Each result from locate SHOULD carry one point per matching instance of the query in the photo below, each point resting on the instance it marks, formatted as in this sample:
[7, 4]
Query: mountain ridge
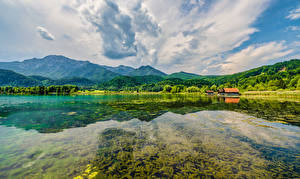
[55, 69]
[58, 66]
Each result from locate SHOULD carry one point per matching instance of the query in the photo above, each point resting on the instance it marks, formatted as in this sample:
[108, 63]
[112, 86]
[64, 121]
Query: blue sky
[199, 36]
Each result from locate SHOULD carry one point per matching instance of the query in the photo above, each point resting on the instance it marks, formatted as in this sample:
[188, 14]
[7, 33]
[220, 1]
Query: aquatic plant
[134, 154]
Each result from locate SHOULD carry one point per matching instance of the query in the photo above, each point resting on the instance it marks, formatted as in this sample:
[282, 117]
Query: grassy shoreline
[247, 94]
[279, 93]
[282, 93]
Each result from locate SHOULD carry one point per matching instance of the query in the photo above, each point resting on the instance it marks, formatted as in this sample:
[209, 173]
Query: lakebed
[148, 135]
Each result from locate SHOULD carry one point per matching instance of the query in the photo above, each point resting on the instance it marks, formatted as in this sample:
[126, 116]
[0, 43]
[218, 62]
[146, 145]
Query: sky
[207, 37]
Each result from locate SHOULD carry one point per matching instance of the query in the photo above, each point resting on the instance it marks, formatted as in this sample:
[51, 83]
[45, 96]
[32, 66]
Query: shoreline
[280, 93]
[246, 93]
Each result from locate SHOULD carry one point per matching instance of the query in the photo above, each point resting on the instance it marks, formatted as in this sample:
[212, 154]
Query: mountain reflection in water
[55, 113]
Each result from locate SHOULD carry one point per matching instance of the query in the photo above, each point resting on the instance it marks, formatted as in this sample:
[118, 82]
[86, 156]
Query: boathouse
[229, 92]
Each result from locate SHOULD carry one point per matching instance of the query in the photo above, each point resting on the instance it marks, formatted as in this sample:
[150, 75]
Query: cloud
[254, 56]
[188, 5]
[115, 28]
[44, 33]
[173, 35]
[206, 30]
[143, 21]
[293, 28]
[170, 33]
[294, 14]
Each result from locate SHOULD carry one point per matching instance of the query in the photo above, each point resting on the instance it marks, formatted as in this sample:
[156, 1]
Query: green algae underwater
[148, 136]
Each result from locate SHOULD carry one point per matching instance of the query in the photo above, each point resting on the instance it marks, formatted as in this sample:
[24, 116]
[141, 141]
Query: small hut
[209, 92]
[229, 92]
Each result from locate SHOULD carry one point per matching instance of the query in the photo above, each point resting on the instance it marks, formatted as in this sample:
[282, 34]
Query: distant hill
[146, 70]
[10, 78]
[269, 72]
[129, 81]
[73, 81]
[183, 75]
[57, 67]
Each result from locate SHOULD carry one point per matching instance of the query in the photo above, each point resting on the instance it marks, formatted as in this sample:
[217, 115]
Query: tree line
[262, 82]
[40, 90]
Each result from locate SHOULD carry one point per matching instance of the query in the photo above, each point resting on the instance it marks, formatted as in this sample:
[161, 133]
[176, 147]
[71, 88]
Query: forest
[40, 90]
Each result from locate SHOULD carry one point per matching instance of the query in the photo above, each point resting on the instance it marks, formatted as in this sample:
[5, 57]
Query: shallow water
[152, 135]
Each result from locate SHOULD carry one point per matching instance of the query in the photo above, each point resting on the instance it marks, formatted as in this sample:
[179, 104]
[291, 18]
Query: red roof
[231, 90]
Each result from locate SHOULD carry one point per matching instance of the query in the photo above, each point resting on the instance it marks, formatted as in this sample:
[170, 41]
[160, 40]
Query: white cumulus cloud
[254, 56]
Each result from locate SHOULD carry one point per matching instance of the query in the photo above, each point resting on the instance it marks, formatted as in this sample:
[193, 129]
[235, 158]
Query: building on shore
[229, 92]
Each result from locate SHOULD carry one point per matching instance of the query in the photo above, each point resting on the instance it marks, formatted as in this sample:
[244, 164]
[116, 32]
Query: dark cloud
[144, 22]
[116, 30]
[44, 33]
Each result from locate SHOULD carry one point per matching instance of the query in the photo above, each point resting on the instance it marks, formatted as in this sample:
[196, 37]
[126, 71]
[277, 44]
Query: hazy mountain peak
[147, 70]
[145, 67]
[183, 75]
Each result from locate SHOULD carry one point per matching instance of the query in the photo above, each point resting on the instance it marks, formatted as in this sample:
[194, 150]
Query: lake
[179, 136]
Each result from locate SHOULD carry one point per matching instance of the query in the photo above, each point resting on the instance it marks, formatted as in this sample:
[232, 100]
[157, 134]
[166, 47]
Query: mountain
[10, 78]
[146, 70]
[183, 75]
[123, 70]
[57, 67]
[60, 70]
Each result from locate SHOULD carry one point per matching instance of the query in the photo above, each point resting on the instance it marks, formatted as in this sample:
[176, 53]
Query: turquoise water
[150, 135]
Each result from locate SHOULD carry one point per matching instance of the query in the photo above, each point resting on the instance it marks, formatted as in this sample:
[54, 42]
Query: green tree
[193, 89]
[167, 88]
[177, 89]
[213, 87]
[298, 84]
